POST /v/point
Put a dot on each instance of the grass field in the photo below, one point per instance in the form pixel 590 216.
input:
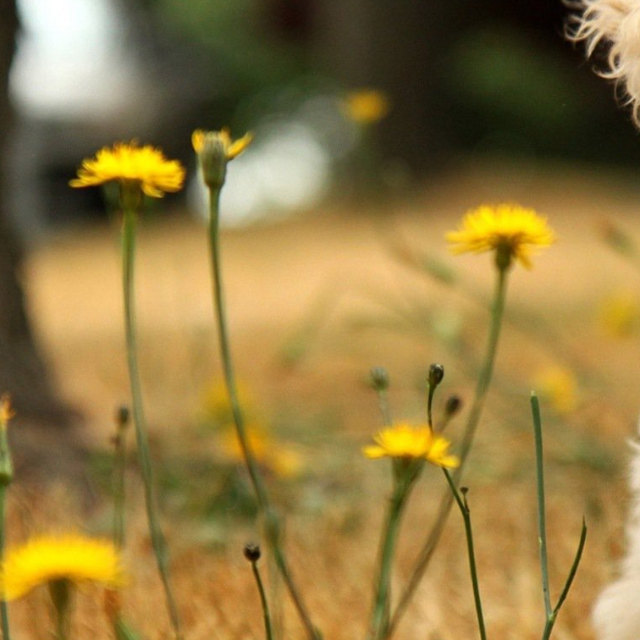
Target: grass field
pixel 314 302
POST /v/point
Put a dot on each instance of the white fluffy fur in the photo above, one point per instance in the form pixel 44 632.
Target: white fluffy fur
pixel 616 23
pixel 616 615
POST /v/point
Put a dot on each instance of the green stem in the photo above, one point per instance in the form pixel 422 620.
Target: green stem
pixel 463 505
pixel 382 598
pixel 268 513
pixel 120 455
pixel 4 609
pixel 446 502
pixel 60 592
pixel 140 425
pixel 263 602
pixel 542 525
pixel 551 614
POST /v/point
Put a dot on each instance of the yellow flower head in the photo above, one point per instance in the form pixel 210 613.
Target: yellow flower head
pixel 280 459
pixel 513 232
pixel 366 106
pixel 215 149
pixel 129 164
pixel 559 386
pixel 6 411
pixel 74 558
pixel 619 314
pixel 407 442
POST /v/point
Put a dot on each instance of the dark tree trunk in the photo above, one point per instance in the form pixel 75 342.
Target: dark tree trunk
pixel 22 371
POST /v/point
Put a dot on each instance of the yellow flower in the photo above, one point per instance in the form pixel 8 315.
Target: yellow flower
pixel 129 164
pixel 366 106
pixel 510 230
pixel 619 314
pixel 216 406
pixel 281 460
pixel 215 149
pixel 71 557
pixel 407 441
pixel 559 386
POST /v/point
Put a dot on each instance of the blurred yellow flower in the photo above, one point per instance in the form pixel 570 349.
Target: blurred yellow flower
pixel 619 314
pixel 215 404
pixel 281 460
pixel 406 441
pixel 129 164
pixel 559 386
pixel 366 106
pixel 74 558
pixel 510 230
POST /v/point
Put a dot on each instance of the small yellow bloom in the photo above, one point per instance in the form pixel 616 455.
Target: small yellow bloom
pixel 407 441
pixel 215 149
pixel 6 411
pixel 281 460
pixel 130 164
pixel 74 558
pixel 559 386
pixel 513 232
pixel 619 314
pixel 366 106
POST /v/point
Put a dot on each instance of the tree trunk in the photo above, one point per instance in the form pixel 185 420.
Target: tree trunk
pixel 23 373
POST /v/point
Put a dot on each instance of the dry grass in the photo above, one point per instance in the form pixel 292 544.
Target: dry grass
pixel 338 267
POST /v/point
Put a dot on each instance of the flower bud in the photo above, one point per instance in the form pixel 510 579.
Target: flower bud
pixel 252 552
pixel 379 378
pixel 436 374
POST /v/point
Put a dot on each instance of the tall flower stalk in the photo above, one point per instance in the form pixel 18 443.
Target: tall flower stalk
pixel 215 150
pixel 138 171
pixel 512 233
pixel 409 447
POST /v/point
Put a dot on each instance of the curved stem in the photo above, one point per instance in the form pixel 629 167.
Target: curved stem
pixel 140 425
pixel 471 554
pixel 262 497
pixel 446 502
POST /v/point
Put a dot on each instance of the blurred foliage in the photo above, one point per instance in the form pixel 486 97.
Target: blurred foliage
pixel 238 37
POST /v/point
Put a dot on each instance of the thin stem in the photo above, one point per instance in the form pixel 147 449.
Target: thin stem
pixel 4 609
pixel 263 601
pixel 463 505
pixel 268 513
pixel 119 464
pixel 382 598
pixel 383 404
pixel 144 458
pixel 446 502
pixel 542 525
pixel 551 614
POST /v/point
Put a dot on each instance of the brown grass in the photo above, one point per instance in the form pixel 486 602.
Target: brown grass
pixel 334 282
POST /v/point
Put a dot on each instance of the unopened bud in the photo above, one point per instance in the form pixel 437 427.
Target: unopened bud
pixel 122 415
pixel 379 378
pixel 252 552
pixel 436 374
pixel 452 406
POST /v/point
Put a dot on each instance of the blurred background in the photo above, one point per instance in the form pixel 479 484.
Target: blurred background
pixel 377 126
pixel 492 78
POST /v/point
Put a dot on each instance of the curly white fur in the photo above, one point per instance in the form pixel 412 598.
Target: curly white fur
pixel 616 615
pixel 617 24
